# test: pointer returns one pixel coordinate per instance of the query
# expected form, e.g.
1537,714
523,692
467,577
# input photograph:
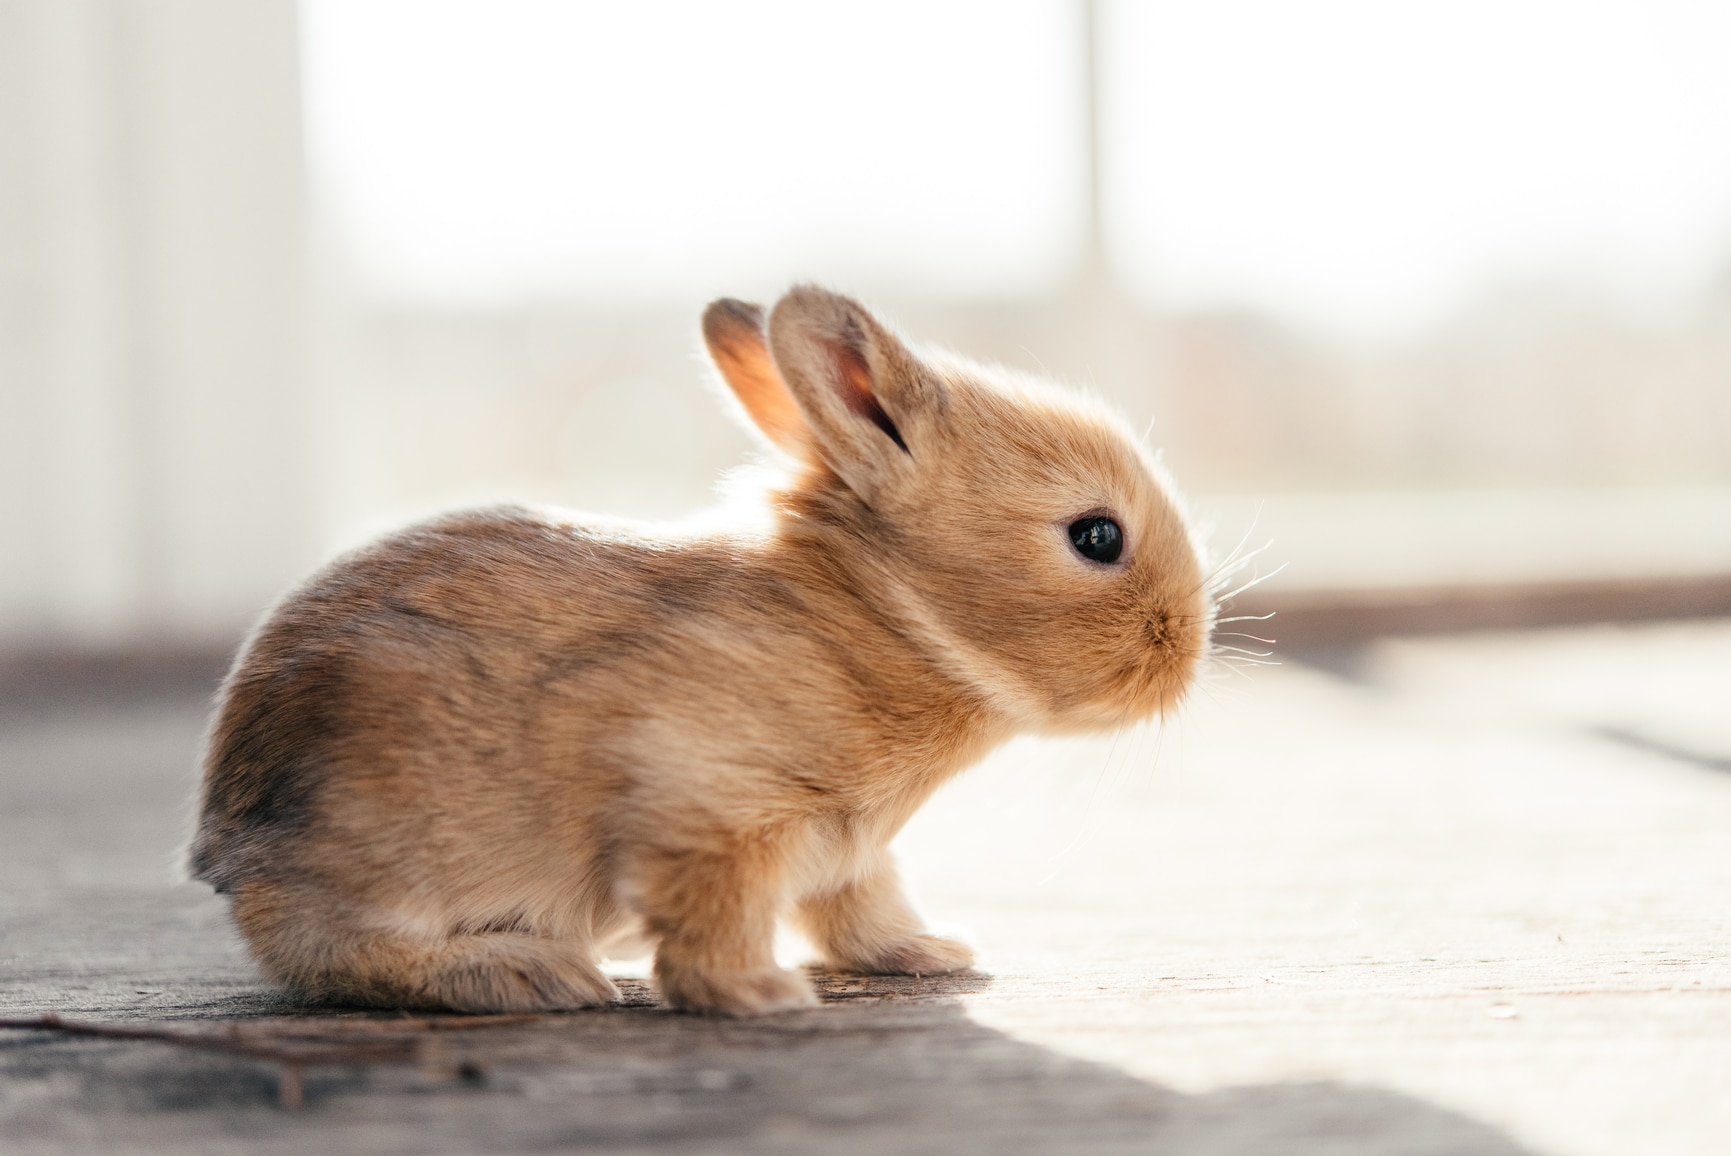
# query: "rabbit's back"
458,681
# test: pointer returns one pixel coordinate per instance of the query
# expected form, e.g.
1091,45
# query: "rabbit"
461,764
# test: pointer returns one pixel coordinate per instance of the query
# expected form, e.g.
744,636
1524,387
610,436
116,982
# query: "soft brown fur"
461,763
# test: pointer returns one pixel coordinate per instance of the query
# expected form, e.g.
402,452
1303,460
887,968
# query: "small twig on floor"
296,1044
231,1041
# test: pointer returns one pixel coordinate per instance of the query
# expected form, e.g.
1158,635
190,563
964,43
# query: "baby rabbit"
462,763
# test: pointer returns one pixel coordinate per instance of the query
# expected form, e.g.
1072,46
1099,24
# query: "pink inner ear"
856,378
854,384
733,330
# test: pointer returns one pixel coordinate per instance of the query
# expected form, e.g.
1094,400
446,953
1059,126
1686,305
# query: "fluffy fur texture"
460,764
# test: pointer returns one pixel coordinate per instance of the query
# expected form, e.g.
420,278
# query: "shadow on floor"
1675,752
886,1065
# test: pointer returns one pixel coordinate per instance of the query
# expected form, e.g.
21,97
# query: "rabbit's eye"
1097,539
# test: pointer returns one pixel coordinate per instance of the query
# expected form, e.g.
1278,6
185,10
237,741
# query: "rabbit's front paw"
920,955
736,994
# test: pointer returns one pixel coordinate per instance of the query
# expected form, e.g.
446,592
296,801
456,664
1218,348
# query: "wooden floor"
1465,894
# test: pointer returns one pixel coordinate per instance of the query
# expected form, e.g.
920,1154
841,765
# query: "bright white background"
516,146
1366,167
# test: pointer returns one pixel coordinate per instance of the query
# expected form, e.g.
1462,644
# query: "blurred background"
1436,296
1433,297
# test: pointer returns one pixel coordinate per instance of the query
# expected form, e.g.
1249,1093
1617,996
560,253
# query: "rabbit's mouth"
1177,635
1160,673
1157,629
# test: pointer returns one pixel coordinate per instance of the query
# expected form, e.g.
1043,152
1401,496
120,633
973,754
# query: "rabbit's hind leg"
497,972
500,972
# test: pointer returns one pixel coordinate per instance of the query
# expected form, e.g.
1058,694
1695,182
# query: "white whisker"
1253,582
1233,564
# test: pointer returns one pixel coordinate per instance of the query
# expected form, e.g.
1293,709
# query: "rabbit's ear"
733,331
859,387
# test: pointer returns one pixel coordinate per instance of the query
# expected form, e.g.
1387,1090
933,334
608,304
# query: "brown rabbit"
461,763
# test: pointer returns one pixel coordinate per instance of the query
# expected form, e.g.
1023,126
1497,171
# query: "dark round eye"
1097,539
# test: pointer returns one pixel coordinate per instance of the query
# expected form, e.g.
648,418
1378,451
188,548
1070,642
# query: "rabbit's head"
1017,532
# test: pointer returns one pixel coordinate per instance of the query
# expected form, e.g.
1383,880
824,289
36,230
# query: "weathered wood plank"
1432,909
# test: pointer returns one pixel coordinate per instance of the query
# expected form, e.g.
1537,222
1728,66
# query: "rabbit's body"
461,763
462,728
